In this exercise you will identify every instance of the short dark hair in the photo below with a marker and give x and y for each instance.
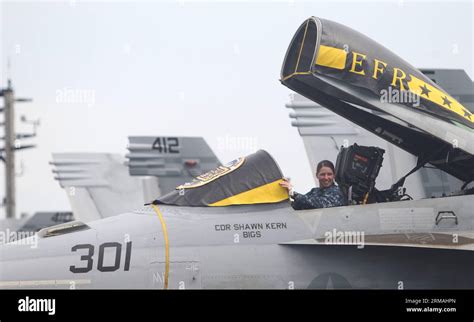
(325, 163)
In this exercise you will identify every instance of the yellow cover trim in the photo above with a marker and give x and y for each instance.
(331, 57)
(294, 74)
(268, 193)
(167, 245)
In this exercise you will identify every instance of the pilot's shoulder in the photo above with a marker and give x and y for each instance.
(314, 190)
(335, 190)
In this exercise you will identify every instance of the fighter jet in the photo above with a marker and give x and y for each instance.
(233, 227)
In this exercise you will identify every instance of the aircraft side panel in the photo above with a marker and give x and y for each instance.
(247, 247)
(334, 267)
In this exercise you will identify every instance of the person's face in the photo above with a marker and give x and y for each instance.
(325, 177)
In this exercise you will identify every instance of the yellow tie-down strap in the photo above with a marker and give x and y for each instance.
(167, 245)
(268, 193)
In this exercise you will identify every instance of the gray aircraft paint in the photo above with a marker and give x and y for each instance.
(203, 254)
(97, 184)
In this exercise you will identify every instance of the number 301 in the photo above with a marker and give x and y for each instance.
(88, 258)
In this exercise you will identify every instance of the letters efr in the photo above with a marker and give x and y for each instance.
(357, 67)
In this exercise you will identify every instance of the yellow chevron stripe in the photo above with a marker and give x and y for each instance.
(438, 97)
(269, 193)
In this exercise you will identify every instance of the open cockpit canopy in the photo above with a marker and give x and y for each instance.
(364, 82)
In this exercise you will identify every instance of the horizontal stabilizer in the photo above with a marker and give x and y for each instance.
(174, 160)
(97, 184)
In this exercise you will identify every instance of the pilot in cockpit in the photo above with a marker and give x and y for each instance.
(327, 195)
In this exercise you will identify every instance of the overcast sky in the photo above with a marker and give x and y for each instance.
(176, 68)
